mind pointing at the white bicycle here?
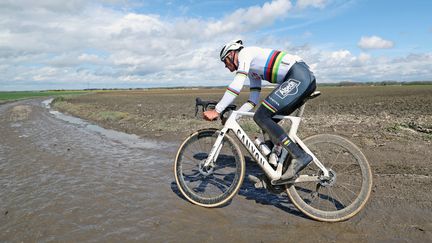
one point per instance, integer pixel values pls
(209, 170)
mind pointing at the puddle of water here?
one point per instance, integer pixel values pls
(47, 103)
(130, 140)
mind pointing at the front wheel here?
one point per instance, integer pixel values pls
(214, 185)
(345, 192)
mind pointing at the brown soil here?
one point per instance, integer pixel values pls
(391, 124)
(65, 182)
(380, 112)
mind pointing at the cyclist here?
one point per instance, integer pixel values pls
(295, 83)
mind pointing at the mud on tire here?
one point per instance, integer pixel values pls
(208, 188)
(343, 197)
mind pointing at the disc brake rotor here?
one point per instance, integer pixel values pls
(328, 181)
(205, 170)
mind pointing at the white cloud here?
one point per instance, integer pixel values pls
(43, 42)
(340, 55)
(243, 20)
(136, 24)
(364, 57)
(342, 65)
(87, 38)
(374, 42)
(97, 42)
(311, 3)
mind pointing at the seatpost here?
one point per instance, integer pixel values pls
(300, 111)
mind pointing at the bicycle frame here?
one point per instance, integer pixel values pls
(272, 174)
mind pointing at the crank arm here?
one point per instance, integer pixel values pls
(307, 178)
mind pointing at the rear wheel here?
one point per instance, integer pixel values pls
(217, 184)
(345, 192)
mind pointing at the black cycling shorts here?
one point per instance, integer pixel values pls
(298, 84)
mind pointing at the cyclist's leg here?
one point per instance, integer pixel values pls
(299, 84)
(267, 138)
(263, 116)
(286, 101)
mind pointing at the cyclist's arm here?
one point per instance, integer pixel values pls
(255, 90)
(232, 91)
(235, 87)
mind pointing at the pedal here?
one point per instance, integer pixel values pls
(264, 183)
(253, 179)
(258, 183)
(280, 182)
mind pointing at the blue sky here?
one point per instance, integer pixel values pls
(51, 44)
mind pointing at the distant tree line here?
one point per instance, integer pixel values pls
(379, 83)
(342, 83)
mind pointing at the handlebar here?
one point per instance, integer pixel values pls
(225, 114)
(228, 109)
(211, 104)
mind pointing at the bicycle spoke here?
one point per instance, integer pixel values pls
(220, 182)
(196, 150)
(194, 179)
(339, 185)
(332, 198)
(349, 182)
(334, 195)
(334, 161)
(348, 172)
(201, 186)
(193, 173)
(323, 200)
(209, 186)
(191, 159)
(346, 198)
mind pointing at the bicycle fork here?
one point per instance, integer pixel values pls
(214, 153)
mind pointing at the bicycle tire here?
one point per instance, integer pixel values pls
(235, 158)
(304, 203)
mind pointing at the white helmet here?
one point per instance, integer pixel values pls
(230, 46)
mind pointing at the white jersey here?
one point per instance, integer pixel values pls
(257, 64)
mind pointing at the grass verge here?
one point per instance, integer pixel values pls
(63, 103)
(18, 95)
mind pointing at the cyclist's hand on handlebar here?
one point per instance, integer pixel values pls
(210, 115)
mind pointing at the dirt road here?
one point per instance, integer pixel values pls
(71, 181)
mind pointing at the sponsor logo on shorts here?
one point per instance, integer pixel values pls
(274, 101)
(288, 88)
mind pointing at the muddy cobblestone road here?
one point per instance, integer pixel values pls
(71, 182)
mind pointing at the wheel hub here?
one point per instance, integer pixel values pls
(328, 181)
(205, 170)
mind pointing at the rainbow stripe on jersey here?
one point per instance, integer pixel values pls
(233, 92)
(272, 65)
(267, 105)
